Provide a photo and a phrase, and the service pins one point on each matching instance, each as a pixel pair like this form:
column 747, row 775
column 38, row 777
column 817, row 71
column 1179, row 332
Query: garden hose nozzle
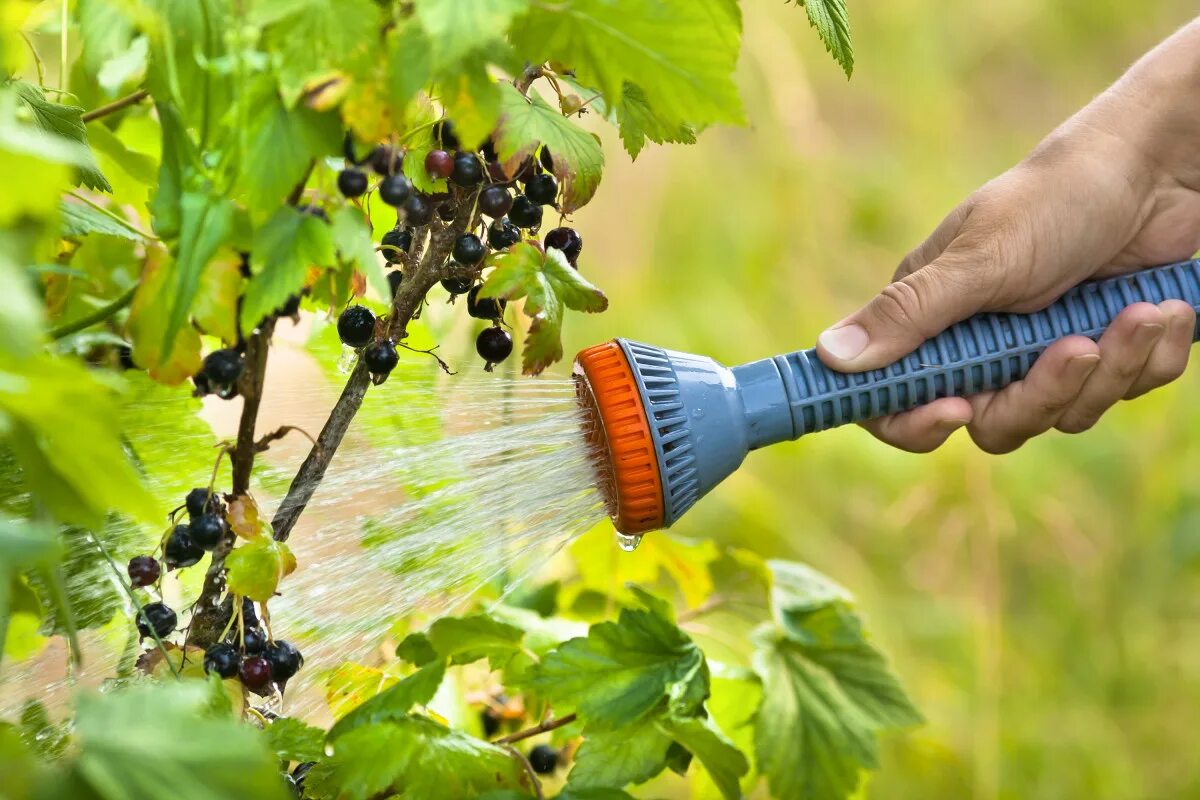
column 670, row 426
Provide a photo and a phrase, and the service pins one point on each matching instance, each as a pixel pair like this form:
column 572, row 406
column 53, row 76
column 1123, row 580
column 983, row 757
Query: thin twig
column 430, row 352
column 115, row 105
column 541, row 727
column 99, row 315
column 263, row 444
column 524, row 762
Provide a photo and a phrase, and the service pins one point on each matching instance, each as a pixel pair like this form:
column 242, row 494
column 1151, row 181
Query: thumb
column 906, row 313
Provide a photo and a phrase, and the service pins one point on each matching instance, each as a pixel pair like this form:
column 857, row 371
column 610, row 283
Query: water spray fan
column 670, row 426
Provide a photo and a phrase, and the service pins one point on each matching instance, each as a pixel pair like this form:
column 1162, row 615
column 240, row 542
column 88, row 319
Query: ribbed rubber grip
column 985, row 352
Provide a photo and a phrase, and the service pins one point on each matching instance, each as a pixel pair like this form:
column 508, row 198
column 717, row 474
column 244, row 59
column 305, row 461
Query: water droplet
column 628, row 542
column 346, row 362
column 329, row 751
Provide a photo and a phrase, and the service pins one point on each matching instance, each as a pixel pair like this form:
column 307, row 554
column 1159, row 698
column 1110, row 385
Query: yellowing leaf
column 215, row 309
column 148, row 325
column 352, row 684
column 257, row 567
column 244, row 517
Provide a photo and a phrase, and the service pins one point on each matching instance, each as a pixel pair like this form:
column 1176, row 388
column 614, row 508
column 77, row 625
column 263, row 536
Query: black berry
column 381, row 357
column 494, row 345
column 490, row 721
column 541, row 189
column 543, row 758
column 356, row 326
column 249, row 615
column 485, row 308
column 467, row 171
column 201, row 501
column 203, row 387
column 546, row 160
column 488, row 148
column 290, row 307
column 418, row 210
column 394, row 190
column 223, row 367
column 314, row 211
column 143, row 571
column 395, row 278
column 384, row 160
column 439, row 164
column 457, row 285
column 207, row 530
column 567, row 240
column 254, row 640
column 161, row 620
column 396, row 241
column 525, row 213
column 447, row 211
column 348, row 148
column 285, row 660
column 352, row 182
column 180, row 550
column 495, row 201
column 445, row 135
column 255, row 673
column 468, row 250
column 125, row 357
column 228, row 391
column 222, row 659
column 503, row 234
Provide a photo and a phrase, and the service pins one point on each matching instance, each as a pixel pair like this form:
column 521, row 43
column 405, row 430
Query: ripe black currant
column 396, row 241
column 567, row 240
column 447, row 210
column 467, row 171
column 485, row 308
column 222, row 659
column 381, row 357
column 201, row 501
column 285, row 660
column 445, row 135
column 228, row 391
column 356, row 326
column 495, row 201
column 546, row 160
column 180, row 550
column 290, row 307
column 490, row 721
column 125, row 357
column 254, row 640
column 439, row 164
column 542, row 189
column 143, row 571
column 352, row 182
column 488, row 148
column 493, row 345
column 223, row 367
column 384, row 160
column 207, row 530
column 418, row 210
column 249, row 615
column 496, row 174
column 255, row 673
column 395, row 278
column 203, row 387
column 543, row 758
column 525, row 213
column 394, row 190
column 502, row 234
column 468, row 250
column 160, row 617
column 457, row 285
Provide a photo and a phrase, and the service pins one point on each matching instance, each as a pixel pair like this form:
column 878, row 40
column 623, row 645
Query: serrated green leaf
column 395, row 702
column 721, row 758
column 410, row 64
column 637, row 122
column 66, row 122
column 80, row 220
column 256, row 567
column 352, row 239
column 294, row 740
column 185, row 47
column 284, row 249
column 832, row 22
column 462, row 640
column 416, row 649
column 139, row 166
column 625, row 755
column 526, row 123
column 459, row 27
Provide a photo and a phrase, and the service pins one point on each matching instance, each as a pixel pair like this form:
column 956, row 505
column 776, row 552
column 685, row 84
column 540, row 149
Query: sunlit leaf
column 255, row 568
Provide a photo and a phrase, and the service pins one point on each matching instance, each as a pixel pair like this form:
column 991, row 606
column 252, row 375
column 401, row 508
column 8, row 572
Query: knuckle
column 900, row 303
column 994, row 444
column 1077, row 423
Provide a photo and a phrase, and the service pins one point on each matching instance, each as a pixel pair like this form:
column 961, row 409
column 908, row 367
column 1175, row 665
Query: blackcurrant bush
column 143, row 571
column 207, row 530
column 381, row 357
column 384, row 160
column 180, row 550
column 494, row 345
column 495, row 201
column 439, row 164
column 467, row 171
column 418, row 210
column 285, row 660
column 525, row 213
column 356, row 326
column 254, row 640
column 222, row 659
column 223, row 367
column 255, row 673
column 395, row 278
column 485, row 308
column 447, row 210
column 202, row 501
column 161, row 619
column 394, row 190
column 503, row 234
column 352, row 182
column 457, row 285
column 541, row 189
column 567, row 240
column 445, row 135
column 543, row 758
column 396, row 241
column 468, row 250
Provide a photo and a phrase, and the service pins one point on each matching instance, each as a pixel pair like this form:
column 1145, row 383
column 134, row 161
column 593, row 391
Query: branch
column 525, row 765
column 543, row 727
column 99, row 315
column 115, row 105
column 264, row 444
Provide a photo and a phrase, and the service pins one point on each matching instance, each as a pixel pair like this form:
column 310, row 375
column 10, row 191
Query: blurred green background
column 1042, row 607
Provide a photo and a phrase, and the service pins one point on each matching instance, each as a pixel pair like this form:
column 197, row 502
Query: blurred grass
column 1042, row 606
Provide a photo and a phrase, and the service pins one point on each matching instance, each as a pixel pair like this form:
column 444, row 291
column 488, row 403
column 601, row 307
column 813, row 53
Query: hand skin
column 1114, row 189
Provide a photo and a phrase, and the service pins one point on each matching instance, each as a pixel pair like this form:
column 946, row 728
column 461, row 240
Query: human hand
column 1114, row 190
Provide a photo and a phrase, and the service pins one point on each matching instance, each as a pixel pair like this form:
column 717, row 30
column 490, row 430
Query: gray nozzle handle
column 985, row 352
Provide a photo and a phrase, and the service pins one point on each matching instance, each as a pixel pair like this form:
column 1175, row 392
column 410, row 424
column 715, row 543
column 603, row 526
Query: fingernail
column 1085, row 364
column 949, row 426
column 845, row 342
column 1149, row 331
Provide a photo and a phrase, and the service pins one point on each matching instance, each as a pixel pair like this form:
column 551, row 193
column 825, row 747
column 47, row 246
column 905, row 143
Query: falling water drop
column 628, row 541
column 347, row 360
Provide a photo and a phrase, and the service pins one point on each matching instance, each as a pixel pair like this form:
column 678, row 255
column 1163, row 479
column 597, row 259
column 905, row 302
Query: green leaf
column 638, row 122
column 186, row 46
column 179, row 163
column 720, row 757
column 395, row 702
column 352, row 238
column 629, row 754
column 215, row 308
column 284, row 249
column 623, row 670
column 257, row 567
column 351, row 685
column 462, row 640
column 798, row 588
column 206, row 224
column 64, row 121
column 472, row 99
column 410, row 64
column 294, row 740
column 832, row 22
column 416, row 649
column 527, row 123
column 593, row 794
column 682, row 53
column 139, row 166
column 459, row 27
column 548, row 283
column 148, row 320
column 80, row 220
